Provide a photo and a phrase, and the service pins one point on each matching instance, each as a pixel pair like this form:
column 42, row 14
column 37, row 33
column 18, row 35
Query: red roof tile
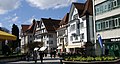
column 24, row 28
column 84, row 8
column 31, row 27
column 64, row 21
column 50, row 24
column 88, row 8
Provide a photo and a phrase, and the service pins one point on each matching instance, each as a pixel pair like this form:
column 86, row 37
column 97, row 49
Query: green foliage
column 98, row 58
column 80, row 58
column 90, row 58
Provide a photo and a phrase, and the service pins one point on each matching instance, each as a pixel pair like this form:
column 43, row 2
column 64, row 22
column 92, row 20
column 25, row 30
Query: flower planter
column 92, row 62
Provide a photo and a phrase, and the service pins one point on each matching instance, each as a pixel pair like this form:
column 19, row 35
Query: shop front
column 112, row 47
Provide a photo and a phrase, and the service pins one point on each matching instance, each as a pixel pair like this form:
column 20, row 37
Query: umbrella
column 42, row 48
column 7, row 36
column 36, row 48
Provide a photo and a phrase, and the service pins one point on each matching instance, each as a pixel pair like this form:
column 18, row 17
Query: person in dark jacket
column 41, row 56
column 54, row 53
column 35, row 56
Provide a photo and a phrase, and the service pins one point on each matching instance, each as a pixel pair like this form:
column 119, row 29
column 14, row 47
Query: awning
column 59, row 47
column 42, row 48
column 7, row 36
column 36, row 48
column 37, row 40
column 75, row 46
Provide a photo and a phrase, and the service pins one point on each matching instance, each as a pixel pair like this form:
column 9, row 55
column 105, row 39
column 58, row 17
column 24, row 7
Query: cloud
column 12, row 18
column 0, row 24
column 8, row 5
column 46, row 4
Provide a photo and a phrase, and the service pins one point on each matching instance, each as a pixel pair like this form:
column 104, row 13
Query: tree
column 15, row 31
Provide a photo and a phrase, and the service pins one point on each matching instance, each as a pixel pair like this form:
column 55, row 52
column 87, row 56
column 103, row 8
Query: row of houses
column 78, row 29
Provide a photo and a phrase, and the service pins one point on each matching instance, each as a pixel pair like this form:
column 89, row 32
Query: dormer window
column 75, row 16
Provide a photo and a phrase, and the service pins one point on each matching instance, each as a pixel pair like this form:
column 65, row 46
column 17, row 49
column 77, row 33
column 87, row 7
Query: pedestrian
column 51, row 54
column 28, row 56
column 41, row 56
column 35, row 56
column 54, row 53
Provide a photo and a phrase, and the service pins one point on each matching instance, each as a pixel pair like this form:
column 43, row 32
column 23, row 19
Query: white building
column 62, row 33
column 27, row 36
column 108, row 25
column 24, row 37
column 80, row 27
column 46, row 33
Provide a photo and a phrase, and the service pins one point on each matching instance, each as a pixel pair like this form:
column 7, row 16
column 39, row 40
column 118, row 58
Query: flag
column 100, row 40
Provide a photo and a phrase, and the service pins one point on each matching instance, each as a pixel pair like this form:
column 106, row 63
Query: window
column 78, row 26
column 72, row 27
column 119, row 21
column 103, row 25
column 50, row 36
column 65, row 39
column 47, row 42
column 107, row 24
column 98, row 24
column 116, row 22
column 76, row 37
column 81, row 25
column 71, row 38
column 75, row 16
column 111, row 23
column 51, row 42
column 82, row 36
column 114, row 3
column 118, row 2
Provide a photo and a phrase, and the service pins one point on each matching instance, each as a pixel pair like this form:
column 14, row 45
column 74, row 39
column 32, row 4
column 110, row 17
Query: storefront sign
column 113, row 40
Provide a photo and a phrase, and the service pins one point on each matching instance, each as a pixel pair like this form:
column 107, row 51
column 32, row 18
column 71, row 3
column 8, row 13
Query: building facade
column 80, row 28
column 27, row 36
column 24, row 38
column 62, row 34
column 107, row 18
column 46, row 34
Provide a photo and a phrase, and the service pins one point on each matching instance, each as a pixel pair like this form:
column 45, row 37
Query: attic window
column 75, row 16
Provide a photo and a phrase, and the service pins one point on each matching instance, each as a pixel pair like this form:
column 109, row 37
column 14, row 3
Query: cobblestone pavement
column 47, row 60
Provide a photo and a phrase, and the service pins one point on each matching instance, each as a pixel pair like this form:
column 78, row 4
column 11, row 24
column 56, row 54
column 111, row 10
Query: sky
column 24, row 11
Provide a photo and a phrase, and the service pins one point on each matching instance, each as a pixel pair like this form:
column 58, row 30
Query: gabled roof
column 64, row 21
column 51, row 24
column 31, row 27
column 24, row 28
column 79, row 7
column 88, row 8
column 84, row 8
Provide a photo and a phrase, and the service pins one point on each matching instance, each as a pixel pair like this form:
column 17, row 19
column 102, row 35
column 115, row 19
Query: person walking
column 35, row 56
column 28, row 56
column 41, row 56
column 54, row 53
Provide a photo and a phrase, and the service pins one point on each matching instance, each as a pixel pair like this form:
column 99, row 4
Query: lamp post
column 94, row 18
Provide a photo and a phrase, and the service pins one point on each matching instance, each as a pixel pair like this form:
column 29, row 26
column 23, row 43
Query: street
column 47, row 60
